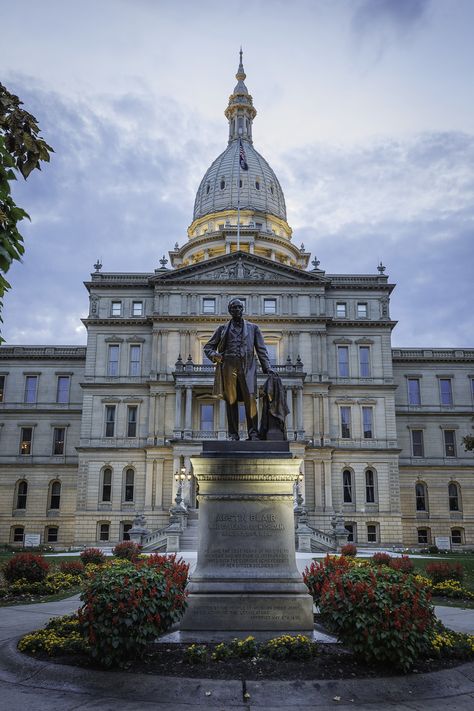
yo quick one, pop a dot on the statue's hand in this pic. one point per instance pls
(218, 358)
(270, 371)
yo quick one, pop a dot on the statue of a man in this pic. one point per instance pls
(233, 347)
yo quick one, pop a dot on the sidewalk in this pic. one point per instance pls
(39, 686)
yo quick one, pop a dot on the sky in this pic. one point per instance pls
(365, 113)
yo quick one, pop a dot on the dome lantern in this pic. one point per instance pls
(240, 111)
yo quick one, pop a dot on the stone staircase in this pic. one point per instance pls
(189, 538)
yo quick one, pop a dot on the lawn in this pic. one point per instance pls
(467, 561)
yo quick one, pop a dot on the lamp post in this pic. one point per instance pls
(181, 477)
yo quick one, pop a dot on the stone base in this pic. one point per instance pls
(283, 613)
(246, 576)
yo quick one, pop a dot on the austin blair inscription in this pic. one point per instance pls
(246, 524)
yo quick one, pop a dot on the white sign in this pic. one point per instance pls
(443, 543)
(32, 540)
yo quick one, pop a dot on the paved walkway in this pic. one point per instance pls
(38, 686)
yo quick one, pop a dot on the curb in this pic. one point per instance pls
(20, 670)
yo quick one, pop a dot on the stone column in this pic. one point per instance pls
(159, 483)
(316, 422)
(326, 471)
(154, 354)
(289, 417)
(178, 409)
(325, 431)
(149, 468)
(299, 411)
(151, 418)
(188, 423)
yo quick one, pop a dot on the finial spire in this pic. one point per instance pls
(241, 75)
(240, 111)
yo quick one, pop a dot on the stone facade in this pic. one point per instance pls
(90, 435)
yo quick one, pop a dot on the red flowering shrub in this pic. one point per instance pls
(385, 617)
(381, 559)
(126, 608)
(72, 567)
(439, 572)
(316, 575)
(169, 566)
(349, 549)
(26, 566)
(128, 550)
(403, 564)
(92, 555)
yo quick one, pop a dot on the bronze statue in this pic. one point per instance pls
(233, 347)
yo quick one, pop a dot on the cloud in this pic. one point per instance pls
(408, 202)
(395, 16)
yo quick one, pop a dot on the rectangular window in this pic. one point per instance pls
(417, 443)
(207, 418)
(135, 360)
(423, 536)
(113, 361)
(445, 391)
(26, 437)
(132, 412)
(369, 487)
(59, 436)
(18, 534)
(347, 486)
(341, 310)
(351, 536)
(2, 388)
(269, 306)
(209, 306)
(449, 443)
(104, 531)
(364, 361)
(52, 534)
(137, 308)
(371, 533)
(62, 390)
(109, 420)
(116, 308)
(456, 536)
(367, 422)
(346, 422)
(414, 393)
(107, 485)
(362, 310)
(31, 387)
(343, 361)
(272, 349)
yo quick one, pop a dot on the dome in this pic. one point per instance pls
(259, 186)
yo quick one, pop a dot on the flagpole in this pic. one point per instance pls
(238, 202)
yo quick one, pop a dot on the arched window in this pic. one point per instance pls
(129, 485)
(222, 183)
(347, 495)
(208, 187)
(257, 184)
(421, 496)
(54, 494)
(21, 494)
(369, 486)
(106, 484)
(454, 497)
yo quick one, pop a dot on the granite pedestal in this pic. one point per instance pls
(246, 576)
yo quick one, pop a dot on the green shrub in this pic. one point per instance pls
(169, 566)
(289, 647)
(221, 651)
(349, 549)
(404, 564)
(384, 616)
(125, 608)
(439, 572)
(72, 567)
(381, 559)
(128, 550)
(26, 566)
(92, 555)
(316, 575)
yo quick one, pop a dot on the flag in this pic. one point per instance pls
(242, 158)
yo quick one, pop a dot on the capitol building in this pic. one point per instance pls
(92, 435)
